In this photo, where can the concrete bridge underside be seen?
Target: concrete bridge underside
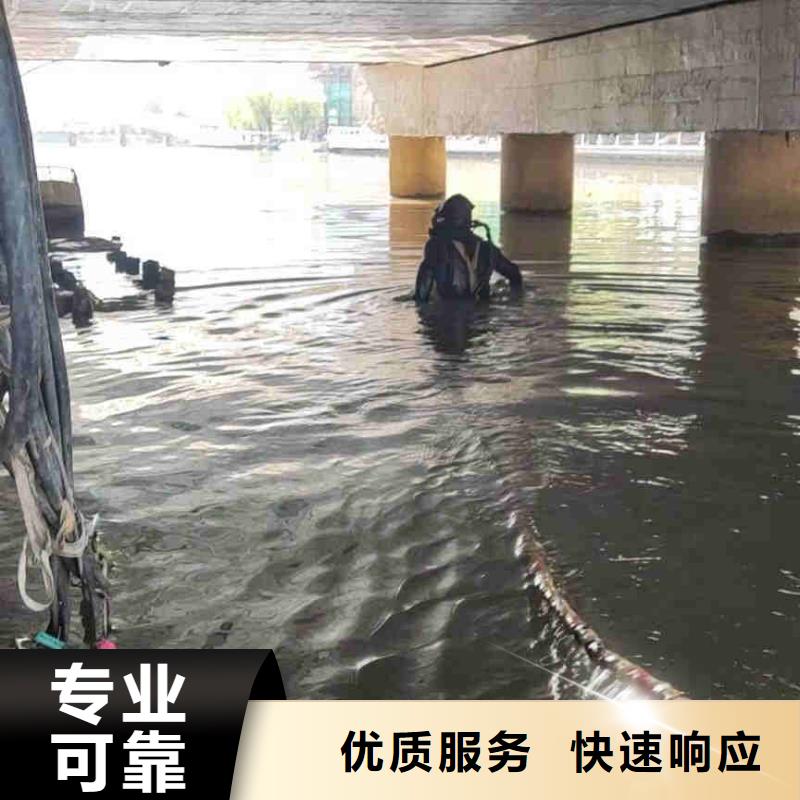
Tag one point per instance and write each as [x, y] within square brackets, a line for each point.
[534, 71]
[413, 31]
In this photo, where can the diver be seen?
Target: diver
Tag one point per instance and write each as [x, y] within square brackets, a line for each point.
[457, 263]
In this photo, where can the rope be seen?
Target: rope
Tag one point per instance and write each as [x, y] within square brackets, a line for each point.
[71, 539]
[47, 576]
[540, 582]
[69, 524]
[39, 542]
[42, 552]
[541, 579]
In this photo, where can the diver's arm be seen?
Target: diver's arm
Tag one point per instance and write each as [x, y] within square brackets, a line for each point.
[425, 279]
[508, 269]
[422, 290]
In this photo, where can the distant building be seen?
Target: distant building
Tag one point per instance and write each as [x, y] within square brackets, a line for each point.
[348, 99]
[337, 84]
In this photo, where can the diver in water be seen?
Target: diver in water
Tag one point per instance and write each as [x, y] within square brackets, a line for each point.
[457, 263]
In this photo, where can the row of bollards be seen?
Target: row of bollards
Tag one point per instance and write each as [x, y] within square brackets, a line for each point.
[71, 296]
[160, 280]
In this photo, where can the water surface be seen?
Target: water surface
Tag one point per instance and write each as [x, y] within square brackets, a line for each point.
[297, 460]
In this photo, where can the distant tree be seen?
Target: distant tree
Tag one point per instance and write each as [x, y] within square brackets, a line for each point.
[303, 117]
[262, 110]
[237, 117]
[253, 113]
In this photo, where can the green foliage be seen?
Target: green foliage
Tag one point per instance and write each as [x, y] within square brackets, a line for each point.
[303, 117]
[236, 117]
[253, 113]
[260, 112]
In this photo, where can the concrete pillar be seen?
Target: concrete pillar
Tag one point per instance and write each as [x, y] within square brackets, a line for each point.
[409, 221]
[751, 184]
[417, 166]
[536, 172]
[527, 237]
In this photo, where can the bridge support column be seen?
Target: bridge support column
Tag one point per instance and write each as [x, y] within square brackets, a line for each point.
[536, 172]
[417, 166]
[751, 184]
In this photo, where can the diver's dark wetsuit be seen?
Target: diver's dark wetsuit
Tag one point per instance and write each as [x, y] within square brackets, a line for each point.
[451, 269]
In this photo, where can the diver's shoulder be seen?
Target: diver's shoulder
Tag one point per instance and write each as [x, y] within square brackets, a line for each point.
[436, 243]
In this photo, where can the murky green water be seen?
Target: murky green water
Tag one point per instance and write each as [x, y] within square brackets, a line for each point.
[307, 464]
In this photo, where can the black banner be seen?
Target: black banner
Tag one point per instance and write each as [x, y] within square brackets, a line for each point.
[118, 723]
